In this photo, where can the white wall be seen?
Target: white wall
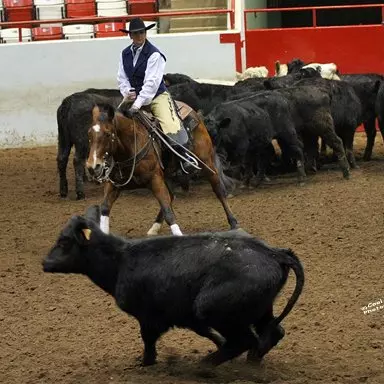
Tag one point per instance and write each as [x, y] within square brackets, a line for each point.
[35, 77]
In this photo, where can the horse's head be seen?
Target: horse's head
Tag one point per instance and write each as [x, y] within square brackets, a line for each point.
[102, 137]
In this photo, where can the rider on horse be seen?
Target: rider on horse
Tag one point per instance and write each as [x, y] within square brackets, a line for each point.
[140, 79]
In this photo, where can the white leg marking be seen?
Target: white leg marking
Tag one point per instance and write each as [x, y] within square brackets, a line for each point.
[104, 224]
[176, 230]
[154, 229]
[94, 159]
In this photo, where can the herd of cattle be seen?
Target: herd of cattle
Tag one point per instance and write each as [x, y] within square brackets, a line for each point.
[220, 285]
[295, 110]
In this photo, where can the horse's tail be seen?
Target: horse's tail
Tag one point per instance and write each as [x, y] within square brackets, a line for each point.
[227, 184]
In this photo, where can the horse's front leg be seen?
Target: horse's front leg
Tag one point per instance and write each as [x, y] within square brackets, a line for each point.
[164, 196]
[111, 193]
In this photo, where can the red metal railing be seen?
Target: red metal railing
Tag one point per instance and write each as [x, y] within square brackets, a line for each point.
[355, 48]
[312, 9]
[101, 19]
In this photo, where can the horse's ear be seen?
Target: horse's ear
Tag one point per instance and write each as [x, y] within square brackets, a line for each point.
[108, 109]
[111, 112]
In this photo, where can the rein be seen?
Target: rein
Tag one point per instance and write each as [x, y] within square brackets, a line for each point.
[134, 160]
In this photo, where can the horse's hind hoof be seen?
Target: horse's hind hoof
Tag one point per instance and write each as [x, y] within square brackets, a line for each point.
[80, 196]
[346, 175]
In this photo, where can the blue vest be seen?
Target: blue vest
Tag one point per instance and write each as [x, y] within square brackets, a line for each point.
[136, 74]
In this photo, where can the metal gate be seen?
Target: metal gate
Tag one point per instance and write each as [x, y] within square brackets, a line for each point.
[354, 48]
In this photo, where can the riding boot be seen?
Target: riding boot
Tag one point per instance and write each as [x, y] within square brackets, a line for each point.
[178, 141]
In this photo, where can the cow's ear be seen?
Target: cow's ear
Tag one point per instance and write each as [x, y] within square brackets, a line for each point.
[225, 122]
[82, 232]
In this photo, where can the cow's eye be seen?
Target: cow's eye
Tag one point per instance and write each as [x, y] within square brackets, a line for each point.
[64, 242]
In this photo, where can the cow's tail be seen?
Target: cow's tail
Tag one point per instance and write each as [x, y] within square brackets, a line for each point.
[288, 258]
[64, 141]
[227, 184]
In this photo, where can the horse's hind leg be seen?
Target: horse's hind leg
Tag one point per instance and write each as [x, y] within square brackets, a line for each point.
[217, 181]
[164, 196]
[156, 226]
[155, 229]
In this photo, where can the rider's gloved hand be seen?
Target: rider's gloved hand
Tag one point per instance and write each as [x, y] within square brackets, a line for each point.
[132, 112]
[131, 96]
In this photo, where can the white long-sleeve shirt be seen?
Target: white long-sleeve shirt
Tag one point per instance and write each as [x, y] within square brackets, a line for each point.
[153, 77]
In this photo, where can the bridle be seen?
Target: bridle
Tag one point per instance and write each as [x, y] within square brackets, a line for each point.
[111, 164]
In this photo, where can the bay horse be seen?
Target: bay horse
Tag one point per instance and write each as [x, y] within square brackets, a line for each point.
[124, 154]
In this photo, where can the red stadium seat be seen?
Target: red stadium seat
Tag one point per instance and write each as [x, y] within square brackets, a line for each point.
[80, 8]
[19, 10]
[47, 33]
[109, 29]
[136, 7]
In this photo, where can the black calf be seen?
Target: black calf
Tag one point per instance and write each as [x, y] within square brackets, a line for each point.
[220, 285]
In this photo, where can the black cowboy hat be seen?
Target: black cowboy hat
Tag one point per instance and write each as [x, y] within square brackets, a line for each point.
[137, 25]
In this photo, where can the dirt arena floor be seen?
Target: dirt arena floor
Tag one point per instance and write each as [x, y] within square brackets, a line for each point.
[63, 329]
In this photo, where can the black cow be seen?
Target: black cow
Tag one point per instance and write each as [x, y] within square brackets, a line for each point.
[243, 134]
[380, 109]
[311, 111]
[204, 97]
[345, 106]
[257, 83]
[220, 285]
[346, 111]
[74, 118]
[367, 87]
[283, 126]
[176, 78]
